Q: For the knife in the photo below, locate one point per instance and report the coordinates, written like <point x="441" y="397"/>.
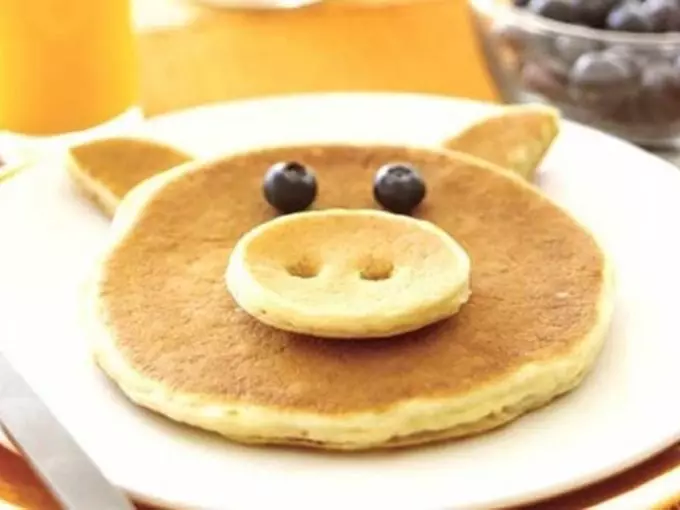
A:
<point x="62" y="465"/>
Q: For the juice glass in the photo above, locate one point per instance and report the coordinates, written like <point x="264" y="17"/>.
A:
<point x="65" y="65"/>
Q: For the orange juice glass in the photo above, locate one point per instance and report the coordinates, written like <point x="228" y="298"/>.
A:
<point x="65" y="65"/>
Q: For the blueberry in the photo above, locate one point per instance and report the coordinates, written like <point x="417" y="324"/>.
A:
<point x="629" y="16"/>
<point x="398" y="187"/>
<point x="569" y="49"/>
<point x="602" y="81"/>
<point x="627" y="57"/>
<point x="603" y="70"/>
<point x="290" y="187"/>
<point x="559" y="10"/>
<point x="661" y="79"/>
<point x="664" y="15"/>
<point x="592" y="13"/>
<point x="661" y="92"/>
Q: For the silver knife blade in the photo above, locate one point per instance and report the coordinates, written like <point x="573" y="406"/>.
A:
<point x="63" y="466"/>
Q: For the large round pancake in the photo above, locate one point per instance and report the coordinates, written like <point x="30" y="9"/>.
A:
<point x="170" y="335"/>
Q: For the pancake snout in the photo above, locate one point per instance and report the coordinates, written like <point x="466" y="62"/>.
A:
<point x="348" y="274"/>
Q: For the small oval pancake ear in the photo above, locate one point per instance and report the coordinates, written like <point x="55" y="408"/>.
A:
<point x="515" y="137"/>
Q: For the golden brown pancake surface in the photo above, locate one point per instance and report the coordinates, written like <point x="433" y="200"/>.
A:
<point x="119" y="164"/>
<point x="536" y="282"/>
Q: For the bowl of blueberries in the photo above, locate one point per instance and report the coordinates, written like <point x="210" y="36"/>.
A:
<point x="612" y="64"/>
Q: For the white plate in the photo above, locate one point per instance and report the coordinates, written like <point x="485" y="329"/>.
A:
<point x="626" y="411"/>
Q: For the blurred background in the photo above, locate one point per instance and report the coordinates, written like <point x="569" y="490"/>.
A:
<point x="69" y="65"/>
<point x="338" y="45"/>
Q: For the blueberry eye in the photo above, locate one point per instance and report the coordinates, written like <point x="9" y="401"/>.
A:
<point x="290" y="187"/>
<point x="398" y="187"/>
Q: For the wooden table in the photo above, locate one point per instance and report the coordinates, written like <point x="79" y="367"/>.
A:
<point x="193" y="55"/>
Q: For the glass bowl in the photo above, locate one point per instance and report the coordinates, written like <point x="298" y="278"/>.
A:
<point x="625" y="83"/>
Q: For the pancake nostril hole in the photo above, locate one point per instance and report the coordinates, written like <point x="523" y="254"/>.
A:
<point x="376" y="270"/>
<point x="303" y="268"/>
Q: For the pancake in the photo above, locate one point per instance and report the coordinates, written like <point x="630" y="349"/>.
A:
<point x="165" y="329"/>
<point x="515" y="137"/>
<point x="349" y="274"/>
<point x="105" y="170"/>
